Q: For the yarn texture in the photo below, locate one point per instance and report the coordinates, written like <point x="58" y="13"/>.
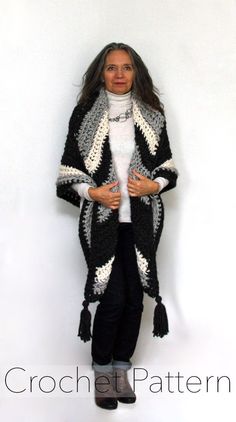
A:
<point x="87" y="158"/>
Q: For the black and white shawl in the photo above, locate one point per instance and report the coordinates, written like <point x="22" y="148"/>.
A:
<point x="87" y="158"/>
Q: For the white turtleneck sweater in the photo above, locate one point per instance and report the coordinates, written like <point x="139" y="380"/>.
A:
<point x="122" y="144"/>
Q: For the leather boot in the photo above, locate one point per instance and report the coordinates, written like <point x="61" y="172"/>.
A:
<point x="123" y="390"/>
<point x="104" y="394"/>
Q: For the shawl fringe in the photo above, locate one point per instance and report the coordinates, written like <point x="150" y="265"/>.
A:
<point x="84" y="331"/>
<point x="160" y="320"/>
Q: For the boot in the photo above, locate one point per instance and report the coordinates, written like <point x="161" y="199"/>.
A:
<point x="104" y="394"/>
<point x="122" y="387"/>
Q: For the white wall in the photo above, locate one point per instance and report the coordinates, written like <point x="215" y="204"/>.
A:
<point x="189" y="48"/>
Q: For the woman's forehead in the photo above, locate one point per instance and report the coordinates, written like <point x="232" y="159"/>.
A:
<point x="118" y="56"/>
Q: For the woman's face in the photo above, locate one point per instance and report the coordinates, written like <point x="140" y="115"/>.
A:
<point x="118" y="72"/>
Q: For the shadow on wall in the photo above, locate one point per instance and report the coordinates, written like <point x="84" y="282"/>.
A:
<point x="167" y="254"/>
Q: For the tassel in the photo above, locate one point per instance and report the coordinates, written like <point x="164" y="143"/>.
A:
<point x="160" y="320"/>
<point x="85" y="323"/>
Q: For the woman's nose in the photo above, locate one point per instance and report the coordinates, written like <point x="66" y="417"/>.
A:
<point x="119" y="73"/>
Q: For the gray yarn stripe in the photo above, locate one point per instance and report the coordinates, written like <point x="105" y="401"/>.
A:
<point x="72" y="179"/>
<point x="154" y="117"/>
<point x="137" y="164"/>
<point x="87" y="221"/>
<point x="157" y="213"/>
<point x="90" y="124"/>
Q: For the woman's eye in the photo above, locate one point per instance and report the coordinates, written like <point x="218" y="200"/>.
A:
<point x="124" y="68"/>
<point x="127" y="67"/>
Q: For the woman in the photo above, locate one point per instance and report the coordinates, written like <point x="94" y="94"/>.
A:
<point x="116" y="161"/>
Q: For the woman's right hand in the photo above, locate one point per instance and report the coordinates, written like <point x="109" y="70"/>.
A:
<point x="103" y="195"/>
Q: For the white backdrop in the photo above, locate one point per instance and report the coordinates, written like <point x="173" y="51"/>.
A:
<point x="189" y="48"/>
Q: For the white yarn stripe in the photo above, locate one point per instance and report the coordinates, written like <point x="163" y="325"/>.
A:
<point x="102" y="275"/>
<point x="142" y="267"/>
<point x="145" y="128"/>
<point x="142" y="262"/>
<point x="169" y="164"/>
<point x="66" y="171"/>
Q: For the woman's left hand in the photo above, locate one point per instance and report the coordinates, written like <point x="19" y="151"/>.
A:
<point x="143" y="186"/>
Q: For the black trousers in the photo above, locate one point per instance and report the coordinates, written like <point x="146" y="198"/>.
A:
<point x="118" y="315"/>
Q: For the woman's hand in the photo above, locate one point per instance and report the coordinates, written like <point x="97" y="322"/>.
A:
<point x="143" y="186"/>
<point x="103" y="195"/>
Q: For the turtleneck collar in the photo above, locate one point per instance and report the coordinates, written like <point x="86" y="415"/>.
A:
<point x="116" y="99"/>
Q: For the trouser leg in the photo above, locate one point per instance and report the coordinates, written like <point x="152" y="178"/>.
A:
<point x="118" y="315"/>
<point x="129" y="325"/>
<point x="108" y="312"/>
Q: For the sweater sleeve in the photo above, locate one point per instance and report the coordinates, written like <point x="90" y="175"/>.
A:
<point x="165" y="167"/>
<point x="163" y="182"/>
<point x="82" y="190"/>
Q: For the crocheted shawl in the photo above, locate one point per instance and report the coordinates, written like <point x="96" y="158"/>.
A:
<point x="87" y="158"/>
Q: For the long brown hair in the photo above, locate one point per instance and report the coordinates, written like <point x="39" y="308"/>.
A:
<point x="143" y="86"/>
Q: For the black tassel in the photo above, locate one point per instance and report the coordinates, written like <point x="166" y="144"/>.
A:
<point x="160" y="320"/>
<point x="85" y="323"/>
